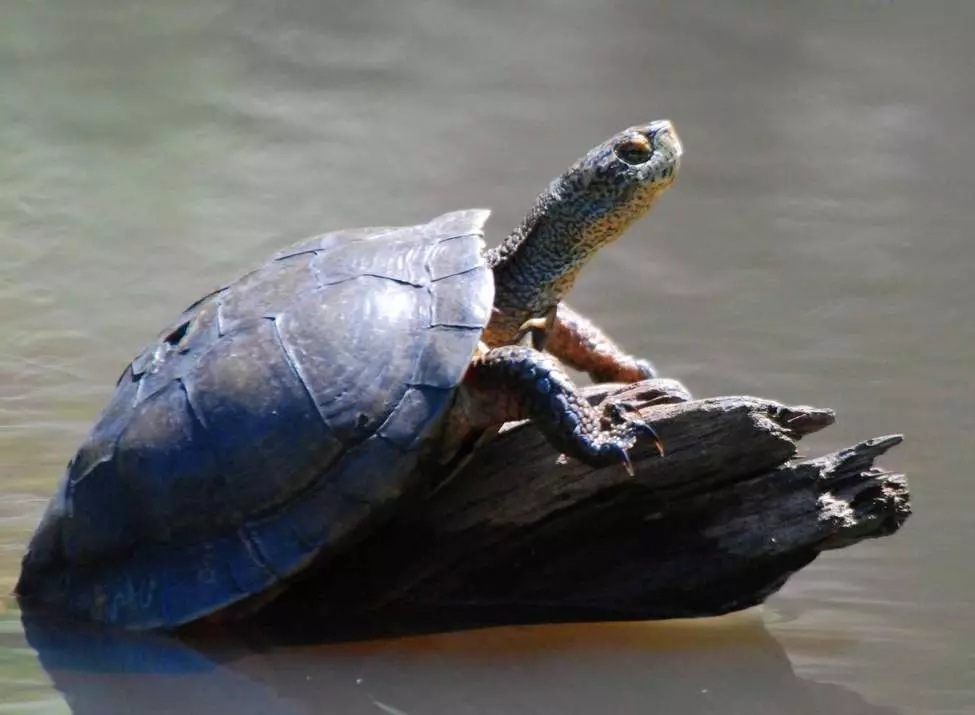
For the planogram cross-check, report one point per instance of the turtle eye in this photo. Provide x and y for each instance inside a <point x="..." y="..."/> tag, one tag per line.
<point x="634" y="149"/>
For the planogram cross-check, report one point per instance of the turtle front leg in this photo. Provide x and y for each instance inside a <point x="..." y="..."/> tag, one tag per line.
<point x="514" y="382"/>
<point x="577" y="342"/>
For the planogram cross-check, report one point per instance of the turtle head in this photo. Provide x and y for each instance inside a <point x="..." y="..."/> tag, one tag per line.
<point x="591" y="204"/>
<point x="614" y="184"/>
<point x="594" y="201"/>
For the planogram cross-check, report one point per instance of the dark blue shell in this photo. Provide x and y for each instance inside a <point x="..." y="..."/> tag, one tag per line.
<point x="265" y="425"/>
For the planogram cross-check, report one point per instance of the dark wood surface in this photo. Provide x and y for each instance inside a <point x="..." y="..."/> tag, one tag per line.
<point x="522" y="535"/>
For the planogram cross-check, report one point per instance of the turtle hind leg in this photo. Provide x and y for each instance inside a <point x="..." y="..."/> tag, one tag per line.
<point x="515" y="382"/>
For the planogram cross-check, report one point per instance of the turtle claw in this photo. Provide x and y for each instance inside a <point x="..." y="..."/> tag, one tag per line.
<point x="538" y="328"/>
<point x="646" y="369"/>
<point x="627" y="464"/>
<point x="622" y="413"/>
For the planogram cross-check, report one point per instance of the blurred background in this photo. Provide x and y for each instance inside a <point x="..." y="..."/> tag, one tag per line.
<point x="817" y="248"/>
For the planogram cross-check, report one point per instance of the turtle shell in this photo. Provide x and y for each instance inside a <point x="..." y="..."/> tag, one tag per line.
<point x="266" y="427"/>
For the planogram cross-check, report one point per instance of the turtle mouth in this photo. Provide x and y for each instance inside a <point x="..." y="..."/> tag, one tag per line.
<point x="665" y="140"/>
<point x="667" y="150"/>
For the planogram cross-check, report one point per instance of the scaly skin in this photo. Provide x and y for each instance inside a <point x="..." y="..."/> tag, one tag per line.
<point x="587" y="207"/>
<point x="522" y="382"/>
<point x="582" y="346"/>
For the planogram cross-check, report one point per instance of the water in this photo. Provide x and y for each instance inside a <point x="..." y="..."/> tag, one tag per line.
<point x="816" y="249"/>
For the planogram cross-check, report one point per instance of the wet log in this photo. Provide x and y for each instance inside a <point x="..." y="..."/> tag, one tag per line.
<point x="522" y="535"/>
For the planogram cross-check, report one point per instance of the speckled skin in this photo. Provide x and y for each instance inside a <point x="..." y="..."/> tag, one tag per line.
<point x="584" y="347"/>
<point x="589" y="206"/>
<point x="586" y="208"/>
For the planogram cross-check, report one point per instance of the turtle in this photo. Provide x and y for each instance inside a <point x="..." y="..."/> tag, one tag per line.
<point x="280" y="417"/>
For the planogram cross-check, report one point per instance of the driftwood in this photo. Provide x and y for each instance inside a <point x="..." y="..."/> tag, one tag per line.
<point x="522" y="536"/>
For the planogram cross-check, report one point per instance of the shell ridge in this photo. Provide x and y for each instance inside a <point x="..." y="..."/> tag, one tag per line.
<point x="256" y="553"/>
<point x="296" y="368"/>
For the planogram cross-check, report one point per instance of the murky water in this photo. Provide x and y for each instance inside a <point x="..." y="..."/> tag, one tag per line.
<point x="817" y="248"/>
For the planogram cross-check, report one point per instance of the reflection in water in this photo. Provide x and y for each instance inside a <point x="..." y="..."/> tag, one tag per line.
<point x="723" y="666"/>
